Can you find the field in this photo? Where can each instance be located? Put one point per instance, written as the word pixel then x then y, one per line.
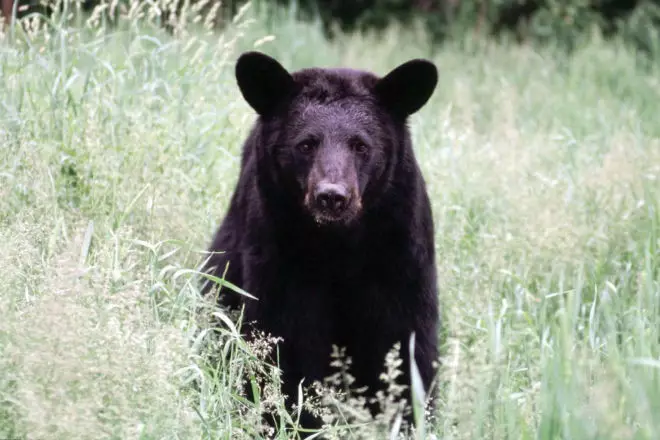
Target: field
pixel 119 150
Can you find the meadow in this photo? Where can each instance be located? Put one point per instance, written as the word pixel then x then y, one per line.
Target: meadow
pixel 119 148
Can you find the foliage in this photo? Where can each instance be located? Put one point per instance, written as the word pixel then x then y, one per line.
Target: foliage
pixel 120 145
pixel 562 21
pixel 559 22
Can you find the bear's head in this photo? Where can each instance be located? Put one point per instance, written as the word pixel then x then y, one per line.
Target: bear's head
pixel 329 140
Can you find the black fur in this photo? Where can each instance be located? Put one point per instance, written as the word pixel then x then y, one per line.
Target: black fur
pixel 362 276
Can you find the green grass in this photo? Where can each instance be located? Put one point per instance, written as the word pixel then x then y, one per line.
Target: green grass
pixel 119 150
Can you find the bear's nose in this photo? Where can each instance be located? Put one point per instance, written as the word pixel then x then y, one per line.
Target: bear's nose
pixel 331 197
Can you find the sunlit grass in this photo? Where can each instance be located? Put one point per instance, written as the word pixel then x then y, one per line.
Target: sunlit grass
pixel 119 150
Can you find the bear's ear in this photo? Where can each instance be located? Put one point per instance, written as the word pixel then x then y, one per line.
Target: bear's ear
pixel 263 81
pixel 408 87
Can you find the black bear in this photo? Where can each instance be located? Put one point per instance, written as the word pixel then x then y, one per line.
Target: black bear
pixel 330 225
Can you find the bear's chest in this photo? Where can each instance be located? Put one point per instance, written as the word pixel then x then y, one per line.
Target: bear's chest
pixel 319 297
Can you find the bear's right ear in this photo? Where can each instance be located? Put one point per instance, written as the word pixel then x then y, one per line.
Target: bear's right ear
pixel 263 81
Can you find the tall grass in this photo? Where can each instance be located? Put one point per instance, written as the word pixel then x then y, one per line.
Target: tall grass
pixel 119 148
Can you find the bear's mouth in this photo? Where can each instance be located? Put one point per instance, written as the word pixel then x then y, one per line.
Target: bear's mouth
pixel 327 219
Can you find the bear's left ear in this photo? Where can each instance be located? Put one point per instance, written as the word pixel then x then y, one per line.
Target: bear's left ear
pixel 408 87
pixel 263 81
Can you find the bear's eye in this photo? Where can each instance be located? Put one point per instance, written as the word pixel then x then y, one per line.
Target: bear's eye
pixel 307 146
pixel 359 147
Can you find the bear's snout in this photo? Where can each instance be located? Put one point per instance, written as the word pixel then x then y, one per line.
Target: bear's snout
pixel 331 202
pixel 331 198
